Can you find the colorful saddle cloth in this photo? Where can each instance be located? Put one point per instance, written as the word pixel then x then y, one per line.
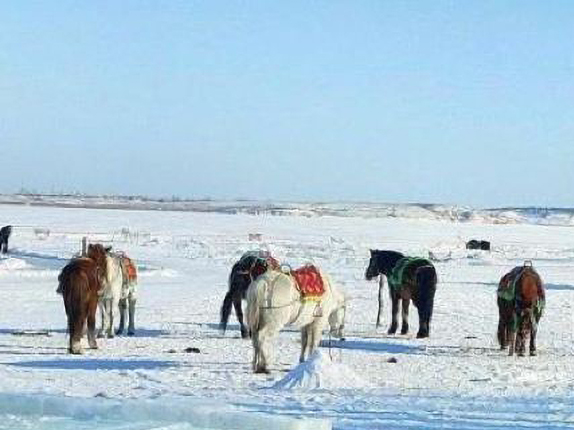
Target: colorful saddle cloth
pixel 507 291
pixel 507 287
pixel 309 282
pixel 405 271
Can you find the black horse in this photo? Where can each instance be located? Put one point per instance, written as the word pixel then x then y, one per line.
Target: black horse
pixel 409 279
pixel 483 245
pixel 4 236
pixel 250 266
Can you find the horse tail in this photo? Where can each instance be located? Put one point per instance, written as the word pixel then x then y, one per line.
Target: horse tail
pixel 226 310
pixel 255 298
pixel 74 288
pixel 426 281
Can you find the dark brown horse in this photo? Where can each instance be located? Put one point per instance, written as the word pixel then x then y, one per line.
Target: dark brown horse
pixel 246 270
pixel 409 279
pixel 521 299
pixel 80 283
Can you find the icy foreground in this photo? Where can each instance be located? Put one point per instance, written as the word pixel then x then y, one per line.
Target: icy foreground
pixel 165 411
pixel 456 379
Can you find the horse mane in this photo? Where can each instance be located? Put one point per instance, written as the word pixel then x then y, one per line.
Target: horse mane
pixel 386 259
pixel 98 253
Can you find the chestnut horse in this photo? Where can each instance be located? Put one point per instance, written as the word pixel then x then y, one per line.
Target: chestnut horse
pixel 409 279
pixel 246 270
pixel 80 283
pixel 521 300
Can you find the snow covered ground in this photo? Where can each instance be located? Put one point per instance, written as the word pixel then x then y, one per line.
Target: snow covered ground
pixel 457 379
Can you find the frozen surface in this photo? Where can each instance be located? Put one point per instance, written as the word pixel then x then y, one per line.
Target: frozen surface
pixel 456 379
pixel 59 412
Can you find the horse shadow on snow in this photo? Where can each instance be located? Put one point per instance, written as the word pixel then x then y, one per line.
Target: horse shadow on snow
pixel 96 364
pixel 374 346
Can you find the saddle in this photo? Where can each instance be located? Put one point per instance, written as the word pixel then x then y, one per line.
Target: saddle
pixel 507 285
pixel 309 282
pixel 405 271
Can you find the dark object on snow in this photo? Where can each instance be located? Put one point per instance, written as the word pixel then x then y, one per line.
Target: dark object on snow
pixel 409 279
pixel 192 349
pixel 483 245
pixel 392 360
pixel 4 236
pixel 521 299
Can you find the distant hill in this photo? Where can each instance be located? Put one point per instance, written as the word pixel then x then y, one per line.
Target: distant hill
pixel 454 213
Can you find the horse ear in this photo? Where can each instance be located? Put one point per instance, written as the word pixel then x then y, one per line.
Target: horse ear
pixel 108 248
pixel 372 251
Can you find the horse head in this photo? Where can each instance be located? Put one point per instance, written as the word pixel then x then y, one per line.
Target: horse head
pixel 381 262
pixel 373 269
pixel 98 253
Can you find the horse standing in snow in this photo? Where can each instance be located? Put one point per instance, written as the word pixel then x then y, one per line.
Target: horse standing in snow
pixel 80 283
pixel 304 298
pixel 111 293
pixel 128 297
pixel 520 300
pixel 5 233
pixel 246 270
pixel 409 279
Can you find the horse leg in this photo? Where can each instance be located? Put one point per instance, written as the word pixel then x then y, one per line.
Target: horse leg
pixel 255 342
pixel 380 313
pixel 266 335
pixel 92 308
pixel 405 315
pixel 394 314
pixel 239 314
pixel 122 306
pixel 304 343
pixel 132 314
pixel 533 331
pixel 102 318
pixel 316 332
pixel 520 343
pixel 76 333
pixel 511 341
pixel 107 318
pixel 502 328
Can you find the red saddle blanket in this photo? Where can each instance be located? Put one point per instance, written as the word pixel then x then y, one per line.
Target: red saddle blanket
pixel 309 281
pixel 130 270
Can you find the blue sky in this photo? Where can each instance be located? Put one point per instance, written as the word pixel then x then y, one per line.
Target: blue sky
pixel 399 101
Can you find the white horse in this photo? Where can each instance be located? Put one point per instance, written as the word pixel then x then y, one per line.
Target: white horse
pixel 110 295
pixel 129 294
pixel 274 301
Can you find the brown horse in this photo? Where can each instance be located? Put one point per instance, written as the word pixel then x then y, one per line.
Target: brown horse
pixel 521 300
pixel 80 282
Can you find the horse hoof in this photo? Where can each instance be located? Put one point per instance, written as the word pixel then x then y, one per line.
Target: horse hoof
pixel 119 332
pixel 131 333
pixel 422 335
pixel 100 335
pixel 110 336
pixel 94 346
pixel 262 370
pixel 403 332
pixel 533 353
